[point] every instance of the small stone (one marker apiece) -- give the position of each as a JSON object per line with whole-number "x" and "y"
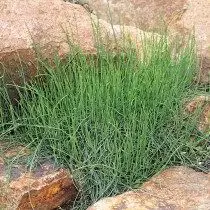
{"x": 1, "y": 160}
{"x": 203, "y": 103}
{"x": 16, "y": 151}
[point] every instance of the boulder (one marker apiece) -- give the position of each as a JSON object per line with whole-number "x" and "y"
{"x": 174, "y": 188}
{"x": 196, "y": 18}
{"x": 45, "y": 187}
{"x": 44, "y": 25}
{"x": 117, "y": 38}
{"x": 182, "y": 17}
{"x": 145, "y": 14}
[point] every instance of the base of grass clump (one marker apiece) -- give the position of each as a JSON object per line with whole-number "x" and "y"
{"x": 114, "y": 120}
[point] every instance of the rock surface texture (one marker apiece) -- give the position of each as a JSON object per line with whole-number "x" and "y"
{"x": 175, "y": 188}
{"x": 182, "y": 17}
{"x": 44, "y": 188}
{"x": 146, "y": 14}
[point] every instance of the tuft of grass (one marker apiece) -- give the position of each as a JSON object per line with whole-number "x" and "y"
{"x": 113, "y": 119}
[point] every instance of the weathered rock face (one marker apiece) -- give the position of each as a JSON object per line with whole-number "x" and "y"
{"x": 44, "y": 23}
{"x": 175, "y": 188}
{"x": 196, "y": 17}
{"x": 145, "y": 14}
{"x": 181, "y": 16}
{"x": 44, "y": 188}
{"x": 117, "y": 37}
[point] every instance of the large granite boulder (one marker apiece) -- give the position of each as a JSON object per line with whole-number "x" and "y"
{"x": 182, "y": 17}
{"x": 45, "y": 25}
{"x": 146, "y": 14}
{"x": 175, "y": 188}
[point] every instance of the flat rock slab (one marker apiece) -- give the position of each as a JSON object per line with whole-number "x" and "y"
{"x": 44, "y": 188}
{"x": 175, "y": 188}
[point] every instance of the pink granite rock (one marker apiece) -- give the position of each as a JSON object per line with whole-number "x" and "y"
{"x": 182, "y": 17}
{"x": 44, "y": 188}
{"x": 175, "y": 188}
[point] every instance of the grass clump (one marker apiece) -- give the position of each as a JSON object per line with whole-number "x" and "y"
{"x": 113, "y": 119}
